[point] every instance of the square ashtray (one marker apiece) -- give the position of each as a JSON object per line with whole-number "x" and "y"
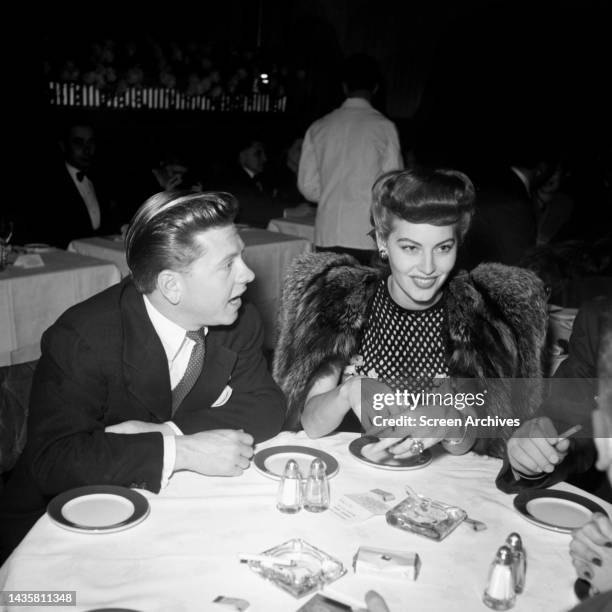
{"x": 298, "y": 567}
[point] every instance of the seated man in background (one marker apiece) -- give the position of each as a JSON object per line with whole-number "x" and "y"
{"x": 535, "y": 457}
{"x": 162, "y": 372}
{"x": 77, "y": 203}
{"x": 248, "y": 181}
{"x": 169, "y": 170}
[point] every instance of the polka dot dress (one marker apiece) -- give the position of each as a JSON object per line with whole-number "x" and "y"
{"x": 405, "y": 348}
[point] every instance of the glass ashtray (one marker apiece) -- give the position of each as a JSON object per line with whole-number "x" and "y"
{"x": 428, "y": 517}
{"x": 302, "y": 568}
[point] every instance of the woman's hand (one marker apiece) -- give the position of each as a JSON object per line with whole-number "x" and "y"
{"x": 425, "y": 427}
{"x": 591, "y": 552}
{"x": 360, "y": 392}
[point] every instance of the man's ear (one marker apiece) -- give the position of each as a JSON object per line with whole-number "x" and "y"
{"x": 170, "y": 285}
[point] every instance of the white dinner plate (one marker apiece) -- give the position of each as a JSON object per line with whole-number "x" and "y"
{"x": 98, "y": 509}
{"x": 360, "y": 448}
{"x": 556, "y": 510}
{"x": 271, "y": 462}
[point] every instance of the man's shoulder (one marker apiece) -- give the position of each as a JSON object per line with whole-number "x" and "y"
{"x": 98, "y": 315}
{"x": 368, "y": 121}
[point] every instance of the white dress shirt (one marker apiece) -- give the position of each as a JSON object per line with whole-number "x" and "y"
{"x": 523, "y": 178}
{"x": 88, "y": 193}
{"x": 177, "y": 347}
{"x": 343, "y": 153}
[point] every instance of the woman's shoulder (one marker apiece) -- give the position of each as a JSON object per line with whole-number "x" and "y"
{"x": 509, "y": 287}
{"x": 330, "y": 279}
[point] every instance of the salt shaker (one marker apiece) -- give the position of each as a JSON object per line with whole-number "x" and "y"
{"x": 316, "y": 496}
{"x": 519, "y": 560}
{"x": 499, "y": 593}
{"x": 289, "y": 496}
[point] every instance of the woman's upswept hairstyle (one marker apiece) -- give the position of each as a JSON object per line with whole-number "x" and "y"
{"x": 162, "y": 233}
{"x": 422, "y": 195}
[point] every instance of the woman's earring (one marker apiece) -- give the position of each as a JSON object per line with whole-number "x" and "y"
{"x": 383, "y": 254}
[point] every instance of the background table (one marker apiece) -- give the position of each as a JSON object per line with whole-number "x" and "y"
{"x": 185, "y": 553}
{"x": 303, "y": 228}
{"x": 31, "y": 299}
{"x": 267, "y": 253}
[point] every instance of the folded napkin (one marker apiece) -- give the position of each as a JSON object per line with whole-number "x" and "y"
{"x": 29, "y": 260}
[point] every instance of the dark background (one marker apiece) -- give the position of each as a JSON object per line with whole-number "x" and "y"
{"x": 467, "y": 82}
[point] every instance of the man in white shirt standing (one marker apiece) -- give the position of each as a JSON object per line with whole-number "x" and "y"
{"x": 343, "y": 153}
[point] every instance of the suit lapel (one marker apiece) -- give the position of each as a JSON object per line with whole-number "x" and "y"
{"x": 145, "y": 365}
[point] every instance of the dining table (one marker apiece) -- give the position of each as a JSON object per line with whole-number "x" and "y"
{"x": 185, "y": 554}
{"x": 32, "y": 298}
{"x": 267, "y": 253}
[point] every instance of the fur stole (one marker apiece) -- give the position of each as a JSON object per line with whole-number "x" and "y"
{"x": 496, "y": 318}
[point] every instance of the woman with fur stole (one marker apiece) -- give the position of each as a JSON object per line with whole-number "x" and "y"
{"x": 350, "y": 334}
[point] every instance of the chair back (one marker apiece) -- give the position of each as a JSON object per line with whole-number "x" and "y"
{"x": 15, "y": 385}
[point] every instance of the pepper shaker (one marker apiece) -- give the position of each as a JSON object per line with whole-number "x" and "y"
{"x": 499, "y": 593}
{"x": 289, "y": 496}
{"x": 316, "y": 497}
{"x": 519, "y": 560}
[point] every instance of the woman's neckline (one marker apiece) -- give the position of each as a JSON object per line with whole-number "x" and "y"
{"x": 413, "y": 311}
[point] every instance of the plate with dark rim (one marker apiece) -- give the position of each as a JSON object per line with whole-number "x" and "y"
{"x": 559, "y": 511}
{"x": 98, "y": 509}
{"x": 385, "y": 460}
{"x": 271, "y": 461}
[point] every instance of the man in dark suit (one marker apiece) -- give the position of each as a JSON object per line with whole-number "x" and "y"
{"x": 504, "y": 227}
{"x": 77, "y": 204}
{"x": 248, "y": 181}
{"x": 535, "y": 458}
{"x": 159, "y": 373}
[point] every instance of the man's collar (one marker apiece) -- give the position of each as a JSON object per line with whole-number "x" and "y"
{"x": 249, "y": 172}
{"x": 523, "y": 177}
{"x": 356, "y": 103}
{"x": 171, "y": 334}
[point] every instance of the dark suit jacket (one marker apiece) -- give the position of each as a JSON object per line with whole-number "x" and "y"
{"x": 60, "y": 214}
{"x": 571, "y": 401}
{"x": 255, "y": 197}
{"x": 504, "y": 224}
{"x": 102, "y": 363}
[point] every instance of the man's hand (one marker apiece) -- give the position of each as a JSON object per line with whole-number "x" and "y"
{"x": 220, "y": 452}
{"x": 138, "y": 427}
{"x": 533, "y": 449}
{"x": 591, "y": 552}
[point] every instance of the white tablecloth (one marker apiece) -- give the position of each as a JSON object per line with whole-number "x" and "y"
{"x": 303, "y": 228}
{"x": 31, "y": 299}
{"x": 267, "y": 253}
{"x": 185, "y": 553}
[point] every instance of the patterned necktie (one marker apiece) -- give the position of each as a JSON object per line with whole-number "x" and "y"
{"x": 194, "y": 368}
